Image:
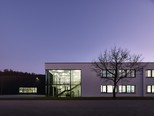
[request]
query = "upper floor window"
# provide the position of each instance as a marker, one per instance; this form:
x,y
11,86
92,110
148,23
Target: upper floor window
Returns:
x,y
122,73
131,73
150,73
109,73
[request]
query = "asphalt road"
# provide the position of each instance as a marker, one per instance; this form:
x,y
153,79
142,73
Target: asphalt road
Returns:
x,y
76,107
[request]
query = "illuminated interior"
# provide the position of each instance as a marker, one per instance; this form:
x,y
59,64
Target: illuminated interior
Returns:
x,y
27,90
64,83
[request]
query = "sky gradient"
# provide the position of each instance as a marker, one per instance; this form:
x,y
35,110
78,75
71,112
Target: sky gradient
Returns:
x,y
33,32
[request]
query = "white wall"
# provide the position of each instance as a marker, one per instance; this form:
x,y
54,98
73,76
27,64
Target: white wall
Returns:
x,y
90,83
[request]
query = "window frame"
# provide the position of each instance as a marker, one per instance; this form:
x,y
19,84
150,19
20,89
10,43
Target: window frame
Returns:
x,y
106,89
151,73
126,89
130,73
105,73
151,89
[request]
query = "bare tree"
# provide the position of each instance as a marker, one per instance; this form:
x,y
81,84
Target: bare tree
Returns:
x,y
117,64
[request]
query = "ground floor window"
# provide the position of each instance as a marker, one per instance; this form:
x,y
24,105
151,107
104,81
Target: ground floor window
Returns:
x,y
107,88
150,88
27,89
126,89
121,88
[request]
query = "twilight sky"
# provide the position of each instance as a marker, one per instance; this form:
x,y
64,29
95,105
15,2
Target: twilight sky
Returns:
x,y
33,32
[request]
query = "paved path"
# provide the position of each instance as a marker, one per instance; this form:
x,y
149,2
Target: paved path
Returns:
x,y
76,107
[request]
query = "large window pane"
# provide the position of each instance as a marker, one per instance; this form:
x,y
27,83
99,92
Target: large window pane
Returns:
x,y
75,76
64,83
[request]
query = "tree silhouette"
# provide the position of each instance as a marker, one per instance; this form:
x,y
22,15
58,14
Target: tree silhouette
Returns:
x,y
117,64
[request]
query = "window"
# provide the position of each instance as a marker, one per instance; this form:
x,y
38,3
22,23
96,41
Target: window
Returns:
x,y
105,73
122,89
122,73
27,89
64,83
126,89
107,88
150,88
149,73
130,73
127,73
130,89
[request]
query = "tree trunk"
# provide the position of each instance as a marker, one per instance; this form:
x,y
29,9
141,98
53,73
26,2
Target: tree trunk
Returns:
x,y
114,90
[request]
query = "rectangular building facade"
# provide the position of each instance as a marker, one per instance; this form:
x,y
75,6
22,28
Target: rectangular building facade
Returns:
x,y
79,80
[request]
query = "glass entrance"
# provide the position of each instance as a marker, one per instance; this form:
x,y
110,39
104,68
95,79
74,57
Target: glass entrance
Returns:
x,y
64,83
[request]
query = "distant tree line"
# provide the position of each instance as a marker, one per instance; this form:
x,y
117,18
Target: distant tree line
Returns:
x,y
11,81
9,72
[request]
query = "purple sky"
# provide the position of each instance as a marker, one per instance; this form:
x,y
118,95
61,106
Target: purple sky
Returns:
x,y
33,32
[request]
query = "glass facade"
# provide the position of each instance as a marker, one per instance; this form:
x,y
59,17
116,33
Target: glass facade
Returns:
x,y
64,83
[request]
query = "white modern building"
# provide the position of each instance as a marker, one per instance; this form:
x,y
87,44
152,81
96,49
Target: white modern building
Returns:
x,y
79,80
